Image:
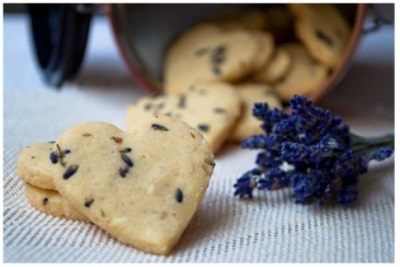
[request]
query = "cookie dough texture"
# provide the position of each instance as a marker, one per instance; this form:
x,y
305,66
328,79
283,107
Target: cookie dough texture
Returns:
x,y
207,53
251,93
142,186
212,108
304,76
323,30
34,166
276,69
51,203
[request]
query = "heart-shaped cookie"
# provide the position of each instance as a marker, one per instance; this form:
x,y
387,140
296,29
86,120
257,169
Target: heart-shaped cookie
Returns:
x,y
141,186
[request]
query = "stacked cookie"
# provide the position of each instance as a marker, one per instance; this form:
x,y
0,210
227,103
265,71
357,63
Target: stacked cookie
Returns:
x,y
289,47
218,69
142,186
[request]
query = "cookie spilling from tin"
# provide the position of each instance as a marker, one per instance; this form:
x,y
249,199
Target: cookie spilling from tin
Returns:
x,y
142,186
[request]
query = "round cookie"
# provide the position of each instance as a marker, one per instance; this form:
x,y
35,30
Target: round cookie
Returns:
x,y
142,186
51,203
33,165
323,31
212,108
304,76
206,54
276,69
265,50
251,93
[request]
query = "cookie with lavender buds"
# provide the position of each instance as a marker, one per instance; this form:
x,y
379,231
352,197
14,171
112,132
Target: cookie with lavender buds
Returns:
x,y
142,186
51,203
207,53
212,108
266,48
305,74
34,167
323,30
251,93
276,69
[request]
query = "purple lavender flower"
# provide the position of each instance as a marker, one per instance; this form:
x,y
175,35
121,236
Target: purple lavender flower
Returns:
x,y
317,146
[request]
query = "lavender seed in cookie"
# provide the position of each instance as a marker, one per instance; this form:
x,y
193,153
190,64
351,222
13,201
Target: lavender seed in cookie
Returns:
x,y
203,127
218,55
125,150
45,201
53,157
323,37
71,170
182,101
148,106
201,51
159,127
87,134
117,139
127,160
216,70
123,171
88,202
179,195
60,155
219,110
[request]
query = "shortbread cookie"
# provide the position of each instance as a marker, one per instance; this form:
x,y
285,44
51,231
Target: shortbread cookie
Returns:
x,y
323,30
206,54
265,51
141,186
276,69
252,93
33,165
212,108
305,74
51,203
251,19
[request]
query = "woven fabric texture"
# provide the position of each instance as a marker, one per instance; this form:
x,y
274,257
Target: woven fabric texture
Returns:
x,y
268,228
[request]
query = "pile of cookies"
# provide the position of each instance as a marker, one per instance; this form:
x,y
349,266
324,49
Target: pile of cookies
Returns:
x,y
142,186
217,70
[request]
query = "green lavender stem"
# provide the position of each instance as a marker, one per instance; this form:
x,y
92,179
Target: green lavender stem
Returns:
x,y
363,145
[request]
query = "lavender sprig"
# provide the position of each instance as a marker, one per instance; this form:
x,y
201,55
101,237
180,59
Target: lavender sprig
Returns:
x,y
318,148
